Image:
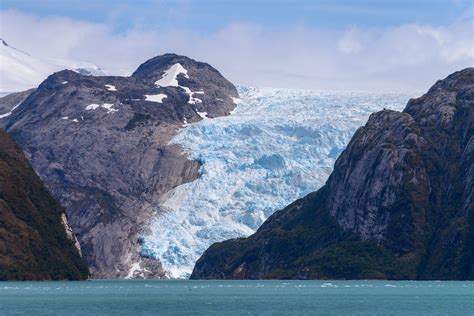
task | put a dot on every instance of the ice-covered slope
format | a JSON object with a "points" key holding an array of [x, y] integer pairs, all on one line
{"points": [[20, 71], [277, 146]]}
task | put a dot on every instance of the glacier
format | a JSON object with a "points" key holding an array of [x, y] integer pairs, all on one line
{"points": [[277, 146]]}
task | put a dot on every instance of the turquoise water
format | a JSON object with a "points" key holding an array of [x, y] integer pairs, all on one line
{"points": [[237, 298]]}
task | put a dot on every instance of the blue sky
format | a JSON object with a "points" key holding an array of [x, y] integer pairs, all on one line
{"points": [[211, 15], [338, 45]]}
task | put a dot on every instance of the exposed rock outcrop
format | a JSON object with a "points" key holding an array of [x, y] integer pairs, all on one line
{"points": [[398, 205], [34, 244], [101, 146]]}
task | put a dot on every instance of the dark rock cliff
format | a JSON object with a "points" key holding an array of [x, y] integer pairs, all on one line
{"points": [[398, 205], [35, 243], [101, 145]]}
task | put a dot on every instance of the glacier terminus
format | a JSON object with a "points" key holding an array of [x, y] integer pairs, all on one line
{"points": [[276, 146]]}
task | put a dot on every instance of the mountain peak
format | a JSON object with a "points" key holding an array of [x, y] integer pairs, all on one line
{"points": [[101, 119], [155, 67]]}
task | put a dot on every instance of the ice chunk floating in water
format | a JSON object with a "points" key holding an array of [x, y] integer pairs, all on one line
{"points": [[277, 146]]}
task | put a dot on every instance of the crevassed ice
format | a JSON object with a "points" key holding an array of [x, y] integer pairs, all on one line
{"points": [[277, 146]]}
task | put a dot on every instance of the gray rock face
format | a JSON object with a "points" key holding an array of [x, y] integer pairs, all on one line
{"points": [[399, 203], [380, 148], [388, 161], [102, 148]]}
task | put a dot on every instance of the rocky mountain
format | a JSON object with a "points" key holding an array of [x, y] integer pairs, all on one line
{"points": [[101, 145], [21, 71], [398, 205], [36, 242]]}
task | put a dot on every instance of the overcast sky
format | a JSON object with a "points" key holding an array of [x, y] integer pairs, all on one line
{"points": [[350, 45]]}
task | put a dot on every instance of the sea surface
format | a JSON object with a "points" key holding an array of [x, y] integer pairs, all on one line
{"points": [[185, 297]]}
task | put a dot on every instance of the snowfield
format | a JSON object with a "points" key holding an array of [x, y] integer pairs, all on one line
{"points": [[277, 146], [21, 71]]}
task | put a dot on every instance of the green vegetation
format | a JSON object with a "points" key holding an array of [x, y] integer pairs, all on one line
{"points": [[33, 241]]}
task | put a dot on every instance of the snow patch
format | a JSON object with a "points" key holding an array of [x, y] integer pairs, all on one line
{"points": [[192, 99], [158, 98], [110, 87], [203, 115], [75, 120], [92, 106], [107, 106], [170, 77]]}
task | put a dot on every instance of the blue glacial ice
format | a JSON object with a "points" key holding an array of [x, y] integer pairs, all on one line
{"points": [[277, 146]]}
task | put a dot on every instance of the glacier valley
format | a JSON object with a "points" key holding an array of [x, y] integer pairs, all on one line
{"points": [[277, 146]]}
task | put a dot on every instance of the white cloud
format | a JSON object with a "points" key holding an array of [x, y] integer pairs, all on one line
{"points": [[353, 41], [406, 57]]}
